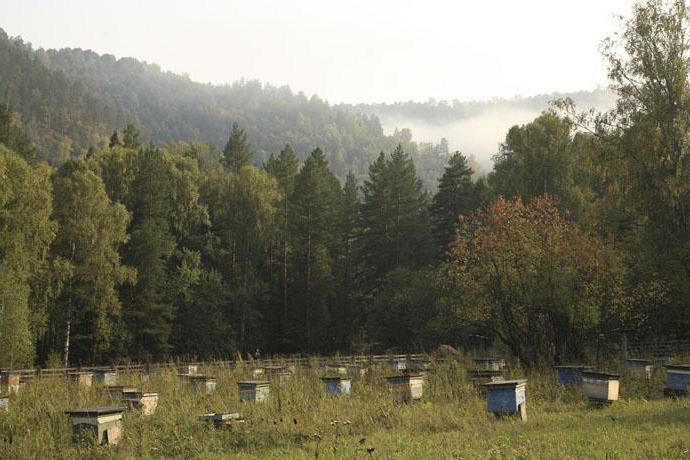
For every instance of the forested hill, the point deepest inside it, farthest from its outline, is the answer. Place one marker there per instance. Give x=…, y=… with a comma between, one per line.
x=71, y=99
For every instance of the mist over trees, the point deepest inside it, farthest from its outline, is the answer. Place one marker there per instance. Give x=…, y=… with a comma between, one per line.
x=134, y=250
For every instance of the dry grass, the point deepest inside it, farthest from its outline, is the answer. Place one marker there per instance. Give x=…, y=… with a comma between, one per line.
x=301, y=421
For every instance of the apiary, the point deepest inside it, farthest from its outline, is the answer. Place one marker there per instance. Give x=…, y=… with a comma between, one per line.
x=202, y=383
x=254, y=390
x=337, y=385
x=82, y=379
x=639, y=368
x=105, y=376
x=571, y=375
x=677, y=379
x=406, y=387
x=601, y=387
x=507, y=397
x=102, y=425
x=145, y=402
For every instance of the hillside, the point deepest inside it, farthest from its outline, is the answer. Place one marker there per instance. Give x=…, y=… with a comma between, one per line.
x=71, y=99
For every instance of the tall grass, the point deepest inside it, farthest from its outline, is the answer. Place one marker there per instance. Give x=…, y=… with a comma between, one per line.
x=300, y=421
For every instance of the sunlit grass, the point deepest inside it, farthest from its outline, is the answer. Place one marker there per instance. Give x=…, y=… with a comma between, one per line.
x=301, y=421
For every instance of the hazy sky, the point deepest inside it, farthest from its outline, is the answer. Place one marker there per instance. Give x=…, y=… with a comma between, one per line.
x=351, y=51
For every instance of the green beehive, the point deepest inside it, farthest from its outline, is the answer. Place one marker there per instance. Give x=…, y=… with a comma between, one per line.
x=102, y=425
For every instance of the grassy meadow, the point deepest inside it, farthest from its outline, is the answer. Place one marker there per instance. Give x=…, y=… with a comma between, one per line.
x=300, y=421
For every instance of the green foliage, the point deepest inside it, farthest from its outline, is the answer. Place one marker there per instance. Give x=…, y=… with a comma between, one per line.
x=91, y=231
x=26, y=232
x=455, y=196
x=236, y=154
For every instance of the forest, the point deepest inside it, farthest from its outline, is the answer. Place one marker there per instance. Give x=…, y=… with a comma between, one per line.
x=128, y=237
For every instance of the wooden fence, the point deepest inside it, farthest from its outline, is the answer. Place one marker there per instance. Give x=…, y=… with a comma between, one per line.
x=28, y=374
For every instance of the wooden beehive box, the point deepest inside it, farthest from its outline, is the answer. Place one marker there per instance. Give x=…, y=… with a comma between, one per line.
x=11, y=381
x=254, y=390
x=398, y=365
x=202, y=383
x=479, y=377
x=356, y=370
x=189, y=369
x=571, y=375
x=337, y=385
x=116, y=391
x=507, y=397
x=82, y=379
x=639, y=368
x=146, y=402
x=221, y=419
x=105, y=376
x=102, y=425
x=335, y=368
x=406, y=387
x=490, y=363
x=601, y=387
x=677, y=379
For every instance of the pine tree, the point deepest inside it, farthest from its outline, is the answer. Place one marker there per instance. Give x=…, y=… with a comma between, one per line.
x=454, y=197
x=149, y=313
x=395, y=218
x=114, y=139
x=314, y=229
x=130, y=138
x=236, y=153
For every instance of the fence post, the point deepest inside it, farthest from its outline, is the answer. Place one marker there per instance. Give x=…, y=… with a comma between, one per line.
x=624, y=344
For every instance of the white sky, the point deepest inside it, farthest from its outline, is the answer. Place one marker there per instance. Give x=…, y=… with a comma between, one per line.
x=346, y=50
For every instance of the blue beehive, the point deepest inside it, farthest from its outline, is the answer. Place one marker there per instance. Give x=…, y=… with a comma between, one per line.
x=571, y=375
x=677, y=379
x=337, y=385
x=507, y=397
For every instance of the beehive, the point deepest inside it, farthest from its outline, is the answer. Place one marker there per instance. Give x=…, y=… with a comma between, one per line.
x=677, y=379
x=102, y=425
x=254, y=390
x=398, y=364
x=601, y=387
x=82, y=379
x=222, y=419
x=189, y=369
x=406, y=387
x=202, y=383
x=507, y=397
x=571, y=375
x=146, y=402
x=106, y=376
x=116, y=391
x=479, y=377
x=335, y=368
x=11, y=381
x=490, y=363
x=639, y=368
x=337, y=385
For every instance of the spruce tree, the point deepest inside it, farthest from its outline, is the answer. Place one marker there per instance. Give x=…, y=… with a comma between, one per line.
x=455, y=196
x=130, y=137
x=236, y=153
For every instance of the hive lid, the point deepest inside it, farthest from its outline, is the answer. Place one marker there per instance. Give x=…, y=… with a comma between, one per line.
x=601, y=375
x=253, y=382
x=638, y=361
x=405, y=376
x=335, y=377
x=574, y=366
x=95, y=411
x=678, y=367
x=506, y=383
x=80, y=373
x=200, y=377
